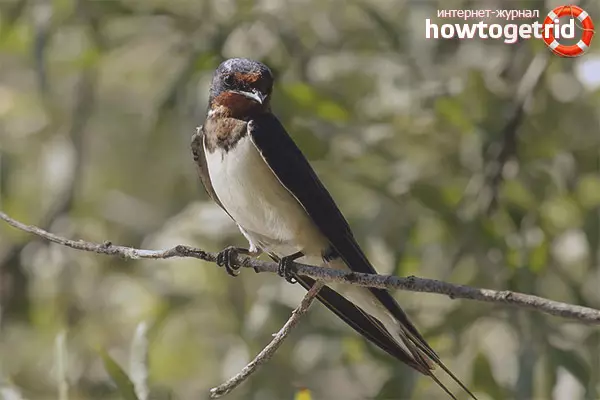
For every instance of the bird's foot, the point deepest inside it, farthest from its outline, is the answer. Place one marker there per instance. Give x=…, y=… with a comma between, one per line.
x=286, y=267
x=226, y=257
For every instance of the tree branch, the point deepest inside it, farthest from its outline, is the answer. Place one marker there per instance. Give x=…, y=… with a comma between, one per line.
x=266, y=353
x=328, y=275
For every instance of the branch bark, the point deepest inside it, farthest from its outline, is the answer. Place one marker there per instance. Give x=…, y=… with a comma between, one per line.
x=328, y=275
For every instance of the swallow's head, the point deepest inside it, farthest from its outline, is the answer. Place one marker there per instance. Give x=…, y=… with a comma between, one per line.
x=241, y=86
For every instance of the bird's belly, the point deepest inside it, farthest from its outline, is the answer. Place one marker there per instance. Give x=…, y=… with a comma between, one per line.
x=253, y=196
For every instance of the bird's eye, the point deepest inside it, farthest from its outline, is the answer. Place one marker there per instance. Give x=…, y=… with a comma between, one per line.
x=228, y=80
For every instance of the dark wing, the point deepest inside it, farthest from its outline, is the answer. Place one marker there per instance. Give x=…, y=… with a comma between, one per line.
x=295, y=173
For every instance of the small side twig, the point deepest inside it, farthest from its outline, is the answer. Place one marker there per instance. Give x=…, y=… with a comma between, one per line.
x=266, y=353
x=329, y=275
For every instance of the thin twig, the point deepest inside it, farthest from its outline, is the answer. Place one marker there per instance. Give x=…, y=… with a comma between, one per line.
x=266, y=353
x=328, y=275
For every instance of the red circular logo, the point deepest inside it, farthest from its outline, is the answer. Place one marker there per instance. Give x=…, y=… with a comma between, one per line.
x=580, y=47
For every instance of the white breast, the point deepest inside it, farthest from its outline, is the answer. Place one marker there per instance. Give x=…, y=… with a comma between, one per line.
x=257, y=201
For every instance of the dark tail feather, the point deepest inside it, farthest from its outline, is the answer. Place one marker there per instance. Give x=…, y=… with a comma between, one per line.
x=375, y=332
x=362, y=322
x=433, y=356
x=421, y=351
x=454, y=378
x=440, y=384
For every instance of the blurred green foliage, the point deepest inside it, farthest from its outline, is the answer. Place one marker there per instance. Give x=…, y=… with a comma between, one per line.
x=449, y=160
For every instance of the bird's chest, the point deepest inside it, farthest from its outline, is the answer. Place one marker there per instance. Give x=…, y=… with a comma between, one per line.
x=253, y=196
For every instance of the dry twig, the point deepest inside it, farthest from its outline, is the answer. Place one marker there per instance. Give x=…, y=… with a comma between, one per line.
x=266, y=353
x=328, y=275
x=323, y=276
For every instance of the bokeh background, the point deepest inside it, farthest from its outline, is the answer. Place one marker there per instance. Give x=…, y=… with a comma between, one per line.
x=473, y=162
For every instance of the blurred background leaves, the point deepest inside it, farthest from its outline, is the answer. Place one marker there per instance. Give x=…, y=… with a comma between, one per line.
x=474, y=162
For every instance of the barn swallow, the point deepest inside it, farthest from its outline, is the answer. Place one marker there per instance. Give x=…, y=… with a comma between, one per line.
x=254, y=171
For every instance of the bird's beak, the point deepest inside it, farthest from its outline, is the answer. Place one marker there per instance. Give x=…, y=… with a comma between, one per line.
x=253, y=95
